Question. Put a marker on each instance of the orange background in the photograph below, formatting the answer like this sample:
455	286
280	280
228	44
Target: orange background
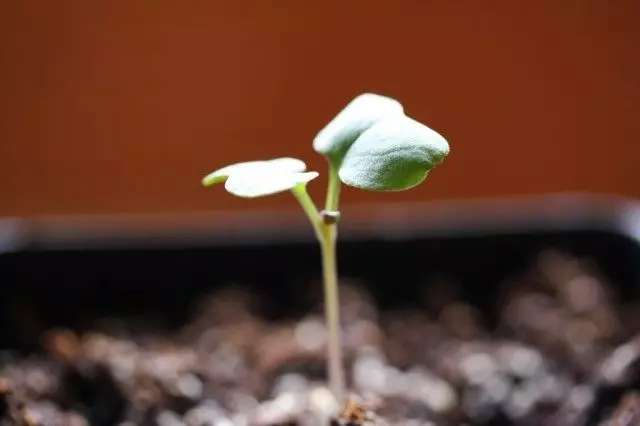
112	106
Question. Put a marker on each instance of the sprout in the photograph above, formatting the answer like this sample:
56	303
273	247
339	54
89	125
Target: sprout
372	145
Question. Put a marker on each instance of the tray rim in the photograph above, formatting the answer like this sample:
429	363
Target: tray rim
560	211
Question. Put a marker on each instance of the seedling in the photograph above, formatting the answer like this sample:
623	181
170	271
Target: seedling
371	145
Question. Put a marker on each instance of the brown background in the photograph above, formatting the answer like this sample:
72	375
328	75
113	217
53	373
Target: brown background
110	106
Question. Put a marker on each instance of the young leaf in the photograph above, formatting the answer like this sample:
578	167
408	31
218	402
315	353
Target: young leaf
266	182
284	164
394	154
360	114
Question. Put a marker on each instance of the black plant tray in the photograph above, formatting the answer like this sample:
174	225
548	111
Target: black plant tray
69	270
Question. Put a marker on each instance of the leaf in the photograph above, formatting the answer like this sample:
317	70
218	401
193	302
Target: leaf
284	164
394	154
260	178
266	182
360	114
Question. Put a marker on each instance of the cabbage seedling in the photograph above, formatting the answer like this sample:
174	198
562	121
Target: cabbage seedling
371	145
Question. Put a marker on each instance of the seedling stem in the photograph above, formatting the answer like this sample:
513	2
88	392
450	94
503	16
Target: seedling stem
370	145
326	233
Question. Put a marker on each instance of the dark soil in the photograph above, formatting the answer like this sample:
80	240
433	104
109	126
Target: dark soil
560	350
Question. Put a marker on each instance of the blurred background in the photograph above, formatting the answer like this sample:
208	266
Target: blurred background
488	292
122	107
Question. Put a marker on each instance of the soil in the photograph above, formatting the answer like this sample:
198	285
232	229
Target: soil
561	350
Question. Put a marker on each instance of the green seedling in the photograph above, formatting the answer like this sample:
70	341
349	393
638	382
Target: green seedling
371	145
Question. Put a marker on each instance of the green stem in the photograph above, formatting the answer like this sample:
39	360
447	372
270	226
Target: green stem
309	207
333	188
332	311
331	292
326	232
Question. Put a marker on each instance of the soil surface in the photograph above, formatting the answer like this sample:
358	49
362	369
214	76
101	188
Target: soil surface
561	350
